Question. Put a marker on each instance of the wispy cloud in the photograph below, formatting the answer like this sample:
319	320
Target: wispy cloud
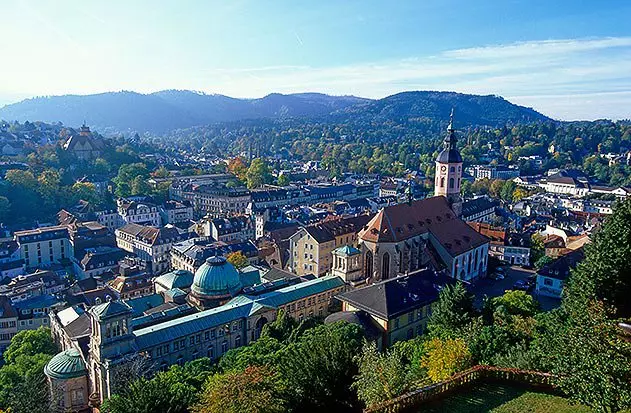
589	78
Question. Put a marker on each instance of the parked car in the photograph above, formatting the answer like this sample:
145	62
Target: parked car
496	276
522	285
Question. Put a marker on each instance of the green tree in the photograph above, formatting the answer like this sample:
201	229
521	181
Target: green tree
30	343
5	208
452	312
85	191
283	180
139	186
256	389
127	173
258	173
381	375
319	367
605	274
173	391
593	363
537	247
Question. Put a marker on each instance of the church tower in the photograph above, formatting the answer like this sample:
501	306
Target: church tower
449	170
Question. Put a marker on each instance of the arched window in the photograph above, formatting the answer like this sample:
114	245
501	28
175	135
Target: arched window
385	266
452	169
211	352
451	183
237	341
368	266
442	181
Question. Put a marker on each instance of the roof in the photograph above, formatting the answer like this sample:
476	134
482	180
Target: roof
495	234
80	327
328	230
238	308
346	251
216	277
175	279
140	305
391	298
151	235
110	309
400	222
476	206
560	268
66	365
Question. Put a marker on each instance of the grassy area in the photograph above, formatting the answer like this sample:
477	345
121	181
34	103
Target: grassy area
501	399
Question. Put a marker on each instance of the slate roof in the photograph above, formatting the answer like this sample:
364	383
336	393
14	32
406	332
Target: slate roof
390	298
476	206
403	221
152	235
328	230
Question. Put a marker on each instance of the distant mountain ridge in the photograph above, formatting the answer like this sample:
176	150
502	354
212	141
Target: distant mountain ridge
167	110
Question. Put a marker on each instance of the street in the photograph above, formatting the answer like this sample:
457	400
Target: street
494	288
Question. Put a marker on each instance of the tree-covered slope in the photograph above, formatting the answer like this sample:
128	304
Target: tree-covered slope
168	110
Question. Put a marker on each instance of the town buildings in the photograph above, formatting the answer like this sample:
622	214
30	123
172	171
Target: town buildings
150	244
311	247
115	334
139	212
44	246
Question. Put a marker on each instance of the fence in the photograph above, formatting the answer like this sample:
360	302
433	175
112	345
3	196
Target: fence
467	377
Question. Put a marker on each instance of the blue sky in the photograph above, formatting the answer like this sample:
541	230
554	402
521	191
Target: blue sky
568	59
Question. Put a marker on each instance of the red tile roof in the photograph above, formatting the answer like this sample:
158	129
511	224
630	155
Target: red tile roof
400	222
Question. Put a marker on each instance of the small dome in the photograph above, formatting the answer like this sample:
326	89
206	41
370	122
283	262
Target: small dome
216	278
449	156
66	365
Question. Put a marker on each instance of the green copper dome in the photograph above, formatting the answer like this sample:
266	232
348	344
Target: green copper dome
66	365
216	278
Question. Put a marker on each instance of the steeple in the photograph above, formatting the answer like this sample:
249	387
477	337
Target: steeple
450	140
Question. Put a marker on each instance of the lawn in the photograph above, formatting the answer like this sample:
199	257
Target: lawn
501	399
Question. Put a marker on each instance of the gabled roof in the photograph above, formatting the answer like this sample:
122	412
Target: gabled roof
390	298
403	221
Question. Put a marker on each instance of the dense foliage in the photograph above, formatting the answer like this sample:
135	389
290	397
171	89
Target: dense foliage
23	385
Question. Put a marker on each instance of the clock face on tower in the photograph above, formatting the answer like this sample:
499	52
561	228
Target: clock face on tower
443	168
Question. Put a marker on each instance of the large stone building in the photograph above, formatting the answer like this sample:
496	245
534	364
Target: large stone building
116	336
44	246
404	238
83	145
311	247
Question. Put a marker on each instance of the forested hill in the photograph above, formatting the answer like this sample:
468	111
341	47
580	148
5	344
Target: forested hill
164	111
432	106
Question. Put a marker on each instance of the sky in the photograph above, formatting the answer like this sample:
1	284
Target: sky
567	59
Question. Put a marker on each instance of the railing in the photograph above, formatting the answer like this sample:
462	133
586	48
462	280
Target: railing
472	375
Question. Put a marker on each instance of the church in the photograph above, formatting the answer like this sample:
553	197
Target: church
407	237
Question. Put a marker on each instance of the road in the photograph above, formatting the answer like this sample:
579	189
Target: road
494	288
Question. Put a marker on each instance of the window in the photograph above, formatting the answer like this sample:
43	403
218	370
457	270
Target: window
410	318
211	352
206	335
419	314
224	347
451	183
237	341
548	282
